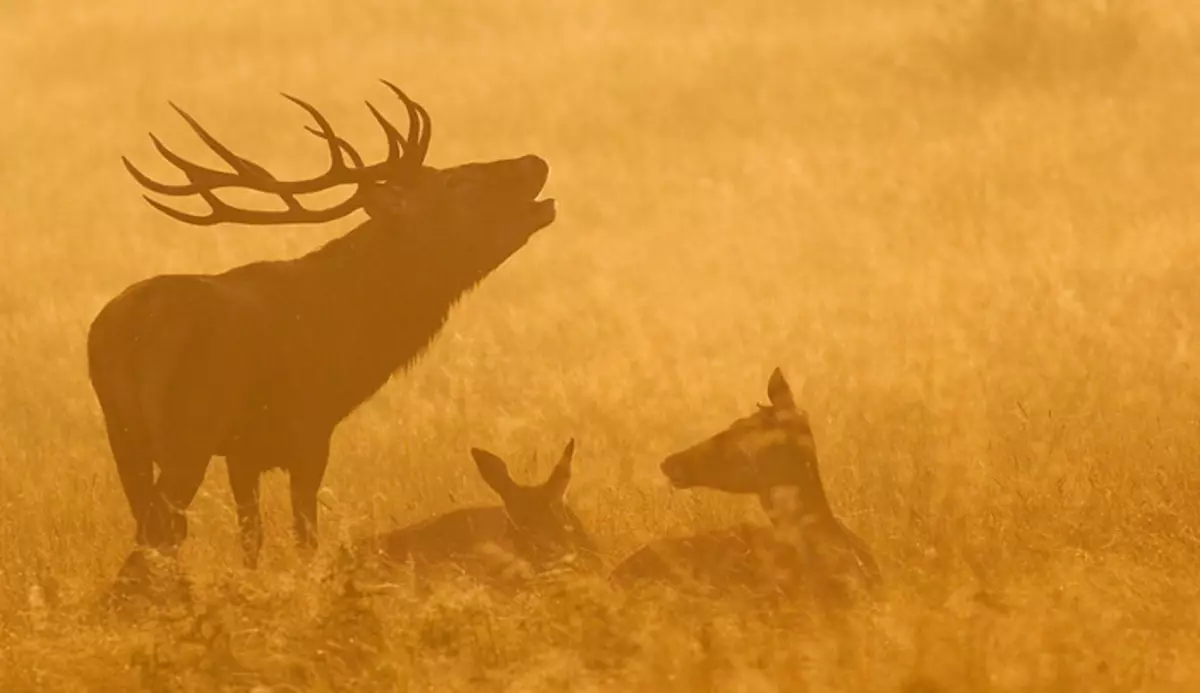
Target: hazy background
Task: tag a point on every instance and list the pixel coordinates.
(967, 232)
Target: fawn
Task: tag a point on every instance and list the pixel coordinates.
(502, 545)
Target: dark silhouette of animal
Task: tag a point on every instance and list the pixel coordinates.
(502, 545)
(771, 454)
(259, 364)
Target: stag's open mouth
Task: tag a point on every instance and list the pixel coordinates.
(537, 213)
(525, 218)
(541, 213)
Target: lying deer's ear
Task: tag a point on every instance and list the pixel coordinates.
(494, 471)
(779, 392)
(568, 453)
(560, 478)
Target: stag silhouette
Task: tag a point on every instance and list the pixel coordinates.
(260, 363)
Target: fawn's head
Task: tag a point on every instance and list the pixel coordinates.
(543, 528)
(769, 451)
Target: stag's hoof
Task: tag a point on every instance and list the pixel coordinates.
(149, 578)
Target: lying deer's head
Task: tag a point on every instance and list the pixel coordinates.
(541, 525)
(768, 451)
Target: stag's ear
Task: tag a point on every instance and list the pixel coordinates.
(560, 478)
(494, 472)
(383, 201)
(779, 392)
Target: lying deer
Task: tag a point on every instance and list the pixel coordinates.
(532, 531)
(771, 454)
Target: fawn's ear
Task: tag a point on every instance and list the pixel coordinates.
(494, 471)
(560, 478)
(779, 392)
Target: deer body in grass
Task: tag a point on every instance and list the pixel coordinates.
(531, 531)
(770, 454)
(259, 364)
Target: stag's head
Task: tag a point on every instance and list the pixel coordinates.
(766, 452)
(478, 213)
(542, 527)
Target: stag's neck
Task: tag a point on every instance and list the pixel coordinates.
(371, 307)
(398, 279)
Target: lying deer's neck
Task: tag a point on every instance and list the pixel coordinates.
(801, 515)
(799, 506)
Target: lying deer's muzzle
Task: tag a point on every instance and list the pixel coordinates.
(675, 470)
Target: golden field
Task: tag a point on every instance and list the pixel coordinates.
(967, 232)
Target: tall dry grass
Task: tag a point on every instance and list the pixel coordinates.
(965, 231)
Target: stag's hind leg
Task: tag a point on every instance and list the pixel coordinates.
(245, 478)
(179, 479)
(307, 471)
(127, 439)
(135, 468)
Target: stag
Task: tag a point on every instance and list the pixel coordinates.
(807, 549)
(259, 364)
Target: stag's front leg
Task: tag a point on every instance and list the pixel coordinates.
(307, 471)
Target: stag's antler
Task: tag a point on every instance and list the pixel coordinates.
(405, 154)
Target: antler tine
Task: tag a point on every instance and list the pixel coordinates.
(222, 212)
(396, 143)
(199, 177)
(420, 127)
(153, 185)
(238, 163)
(404, 155)
(343, 144)
(177, 215)
(426, 129)
(336, 144)
(414, 121)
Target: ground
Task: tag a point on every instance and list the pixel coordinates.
(966, 232)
